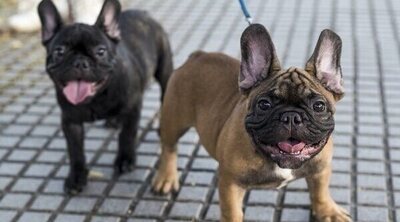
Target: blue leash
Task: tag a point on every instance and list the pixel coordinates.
(246, 13)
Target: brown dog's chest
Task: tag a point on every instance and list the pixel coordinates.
(268, 178)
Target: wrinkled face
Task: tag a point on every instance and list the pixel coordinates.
(80, 58)
(79, 61)
(290, 112)
(289, 120)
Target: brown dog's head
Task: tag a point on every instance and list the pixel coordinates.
(290, 111)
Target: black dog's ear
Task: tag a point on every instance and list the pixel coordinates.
(50, 19)
(325, 62)
(258, 56)
(108, 19)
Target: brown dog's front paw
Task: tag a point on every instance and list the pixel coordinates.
(166, 181)
(332, 213)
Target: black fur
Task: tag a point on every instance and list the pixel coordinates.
(136, 48)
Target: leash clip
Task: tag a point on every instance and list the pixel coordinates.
(246, 13)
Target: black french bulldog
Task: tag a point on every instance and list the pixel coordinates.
(100, 72)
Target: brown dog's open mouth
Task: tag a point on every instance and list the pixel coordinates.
(78, 91)
(291, 153)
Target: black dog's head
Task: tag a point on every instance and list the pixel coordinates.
(290, 112)
(80, 57)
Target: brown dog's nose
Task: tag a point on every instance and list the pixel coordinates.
(291, 118)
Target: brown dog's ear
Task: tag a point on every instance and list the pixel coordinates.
(108, 19)
(50, 19)
(258, 56)
(325, 62)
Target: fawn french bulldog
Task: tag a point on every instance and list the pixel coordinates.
(275, 127)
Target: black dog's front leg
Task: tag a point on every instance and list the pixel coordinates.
(77, 177)
(126, 156)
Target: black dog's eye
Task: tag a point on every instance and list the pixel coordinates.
(264, 104)
(319, 106)
(101, 52)
(59, 51)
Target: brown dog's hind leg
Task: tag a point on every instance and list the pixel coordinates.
(167, 179)
(323, 206)
(176, 118)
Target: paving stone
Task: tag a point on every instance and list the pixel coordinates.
(204, 164)
(80, 204)
(263, 197)
(297, 198)
(14, 200)
(7, 215)
(69, 218)
(33, 142)
(54, 186)
(150, 208)
(42, 170)
(51, 156)
(22, 155)
(44, 130)
(372, 214)
(28, 119)
(4, 182)
(193, 193)
(259, 213)
(372, 197)
(371, 167)
(27, 184)
(115, 206)
(298, 184)
(141, 220)
(298, 215)
(213, 212)
(9, 141)
(340, 195)
(198, 178)
(186, 210)
(95, 188)
(370, 154)
(340, 179)
(105, 219)
(17, 130)
(122, 189)
(136, 175)
(11, 169)
(34, 217)
(371, 181)
(47, 202)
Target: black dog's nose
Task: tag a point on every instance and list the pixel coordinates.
(291, 118)
(81, 64)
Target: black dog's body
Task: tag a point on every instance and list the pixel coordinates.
(135, 51)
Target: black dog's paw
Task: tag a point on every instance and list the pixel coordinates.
(75, 184)
(112, 123)
(124, 164)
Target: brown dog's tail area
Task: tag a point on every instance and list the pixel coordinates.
(196, 54)
(164, 65)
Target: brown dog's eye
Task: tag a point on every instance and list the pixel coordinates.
(319, 106)
(264, 104)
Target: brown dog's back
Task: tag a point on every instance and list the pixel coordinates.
(197, 93)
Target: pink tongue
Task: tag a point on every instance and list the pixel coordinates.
(78, 91)
(290, 147)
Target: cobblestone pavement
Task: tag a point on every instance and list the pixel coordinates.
(366, 166)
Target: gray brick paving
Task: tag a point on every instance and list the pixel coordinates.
(366, 165)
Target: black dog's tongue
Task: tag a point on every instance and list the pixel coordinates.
(77, 91)
(291, 146)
